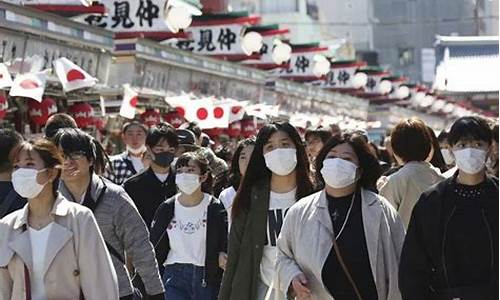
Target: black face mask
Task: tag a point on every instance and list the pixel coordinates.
(163, 159)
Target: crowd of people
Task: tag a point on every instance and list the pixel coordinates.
(320, 214)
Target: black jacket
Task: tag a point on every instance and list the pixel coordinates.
(148, 192)
(216, 237)
(9, 200)
(422, 270)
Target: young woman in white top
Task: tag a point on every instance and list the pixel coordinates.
(277, 176)
(44, 247)
(239, 166)
(189, 232)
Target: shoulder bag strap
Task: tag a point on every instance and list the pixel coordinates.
(346, 271)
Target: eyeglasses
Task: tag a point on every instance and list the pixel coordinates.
(74, 156)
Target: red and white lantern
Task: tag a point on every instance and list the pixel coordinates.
(248, 128)
(39, 112)
(174, 118)
(234, 129)
(151, 117)
(83, 113)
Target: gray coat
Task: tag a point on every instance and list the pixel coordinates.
(307, 237)
(123, 228)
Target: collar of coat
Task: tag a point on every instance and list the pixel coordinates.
(60, 208)
(94, 189)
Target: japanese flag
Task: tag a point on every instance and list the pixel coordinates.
(30, 85)
(236, 108)
(129, 102)
(72, 77)
(207, 114)
(5, 79)
(261, 110)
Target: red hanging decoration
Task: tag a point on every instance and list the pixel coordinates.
(3, 106)
(234, 129)
(39, 112)
(83, 113)
(174, 118)
(150, 117)
(248, 128)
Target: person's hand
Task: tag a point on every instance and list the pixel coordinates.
(222, 260)
(299, 286)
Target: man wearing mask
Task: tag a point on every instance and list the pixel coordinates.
(451, 247)
(9, 199)
(155, 184)
(130, 162)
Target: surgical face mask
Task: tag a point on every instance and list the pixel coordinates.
(281, 161)
(338, 173)
(470, 160)
(163, 159)
(448, 158)
(137, 151)
(187, 183)
(25, 184)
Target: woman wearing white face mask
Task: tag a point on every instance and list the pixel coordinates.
(189, 232)
(451, 248)
(276, 177)
(44, 251)
(343, 242)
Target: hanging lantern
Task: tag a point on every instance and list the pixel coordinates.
(403, 92)
(359, 80)
(251, 42)
(150, 117)
(281, 52)
(248, 128)
(213, 132)
(234, 129)
(83, 113)
(385, 87)
(4, 104)
(178, 15)
(321, 65)
(39, 112)
(173, 118)
(427, 101)
(99, 123)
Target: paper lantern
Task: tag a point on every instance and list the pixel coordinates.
(321, 65)
(174, 118)
(150, 117)
(234, 129)
(213, 132)
(39, 112)
(83, 113)
(179, 15)
(3, 106)
(281, 52)
(385, 86)
(359, 80)
(403, 92)
(252, 42)
(248, 128)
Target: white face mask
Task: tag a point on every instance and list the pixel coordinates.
(137, 151)
(25, 184)
(187, 183)
(338, 173)
(281, 161)
(470, 160)
(448, 158)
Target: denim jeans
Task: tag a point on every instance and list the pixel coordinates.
(185, 282)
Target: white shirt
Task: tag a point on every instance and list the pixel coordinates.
(278, 206)
(161, 177)
(39, 240)
(227, 198)
(187, 233)
(137, 163)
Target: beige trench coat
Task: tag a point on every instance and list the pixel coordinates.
(307, 237)
(77, 260)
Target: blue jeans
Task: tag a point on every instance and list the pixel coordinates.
(185, 282)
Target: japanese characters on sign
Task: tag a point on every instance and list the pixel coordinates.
(130, 16)
(213, 40)
(301, 64)
(373, 83)
(339, 78)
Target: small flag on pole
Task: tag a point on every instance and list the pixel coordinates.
(30, 85)
(129, 102)
(72, 77)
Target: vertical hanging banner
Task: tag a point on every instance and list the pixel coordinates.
(301, 64)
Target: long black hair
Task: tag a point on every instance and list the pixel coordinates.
(370, 167)
(235, 176)
(76, 140)
(437, 159)
(258, 171)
